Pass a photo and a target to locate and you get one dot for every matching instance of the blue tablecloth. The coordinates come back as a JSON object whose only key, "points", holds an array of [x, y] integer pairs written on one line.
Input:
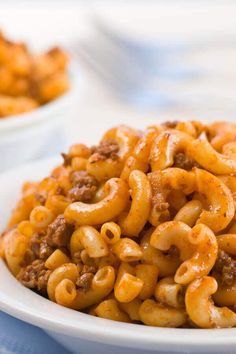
{"points": [[17, 337]]}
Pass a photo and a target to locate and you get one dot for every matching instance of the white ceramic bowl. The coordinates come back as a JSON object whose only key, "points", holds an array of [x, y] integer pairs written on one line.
{"points": [[29, 135], [82, 333]]}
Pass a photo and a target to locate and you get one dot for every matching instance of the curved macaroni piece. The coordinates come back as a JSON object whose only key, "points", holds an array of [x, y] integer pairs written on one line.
{"points": [[125, 268], [227, 243], [110, 231], [90, 239], [139, 159], [49, 186], [154, 314], [190, 212], [41, 217], [201, 309], [163, 184], [67, 271], [75, 246], [132, 223], [166, 263], [165, 146], [225, 294], [110, 310], [79, 150], [132, 309], [173, 178], [178, 179], [15, 246], [223, 133], [57, 204], [230, 182], [148, 273], [188, 128], [127, 250], [105, 210], [25, 205], [56, 259], [104, 169], [229, 149], [203, 258], [168, 292], [173, 233], [102, 284], [79, 163], [219, 198], [25, 228], [127, 287], [210, 159], [198, 248], [232, 228]]}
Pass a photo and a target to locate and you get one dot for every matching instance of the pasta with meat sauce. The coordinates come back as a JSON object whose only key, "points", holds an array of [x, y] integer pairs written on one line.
{"points": [[140, 229], [29, 80]]}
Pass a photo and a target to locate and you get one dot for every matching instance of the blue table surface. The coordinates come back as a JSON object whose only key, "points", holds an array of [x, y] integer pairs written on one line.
{"points": [[18, 337]]}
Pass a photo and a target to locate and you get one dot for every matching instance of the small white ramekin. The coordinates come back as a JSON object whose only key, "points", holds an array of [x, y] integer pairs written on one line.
{"points": [[82, 333], [30, 135]]}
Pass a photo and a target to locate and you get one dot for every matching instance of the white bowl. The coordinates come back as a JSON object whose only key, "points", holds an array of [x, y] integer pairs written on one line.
{"points": [[29, 135], [82, 333]]}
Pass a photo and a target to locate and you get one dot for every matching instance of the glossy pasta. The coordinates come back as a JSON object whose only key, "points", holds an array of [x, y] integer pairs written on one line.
{"points": [[139, 229]]}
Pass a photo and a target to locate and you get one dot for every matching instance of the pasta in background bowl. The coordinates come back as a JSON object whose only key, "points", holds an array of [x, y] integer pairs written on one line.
{"points": [[138, 229], [37, 92], [29, 80]]}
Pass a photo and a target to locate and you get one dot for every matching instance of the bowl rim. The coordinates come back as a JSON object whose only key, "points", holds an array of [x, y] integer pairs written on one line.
{"points": [[35, 309], [50, 109]]}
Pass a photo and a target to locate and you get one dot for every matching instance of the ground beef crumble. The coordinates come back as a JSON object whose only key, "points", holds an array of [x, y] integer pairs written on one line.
{"points": [[33, 250], [84, 281], [83, 188], [66, 159], [38, 248], [86, 276], [88, 269], [34, 276], [181, 160], [59, 232], [40, 198], [107, 149], [170, 124], [226, 267], [160, 206], [45, 250]]}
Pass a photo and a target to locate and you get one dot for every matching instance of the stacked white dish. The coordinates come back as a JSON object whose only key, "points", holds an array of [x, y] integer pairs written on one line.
{"points": [[40, 132]]}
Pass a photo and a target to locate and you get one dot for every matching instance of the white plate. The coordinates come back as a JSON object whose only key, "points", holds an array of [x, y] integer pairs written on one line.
{"points": [[82, 333]]}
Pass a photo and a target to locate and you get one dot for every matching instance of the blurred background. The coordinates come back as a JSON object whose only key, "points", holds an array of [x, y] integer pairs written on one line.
{"points": [[139, 61]]}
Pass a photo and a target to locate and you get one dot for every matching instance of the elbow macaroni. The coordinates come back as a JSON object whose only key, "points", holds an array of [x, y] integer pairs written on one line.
{"points": [[139, 229]]}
